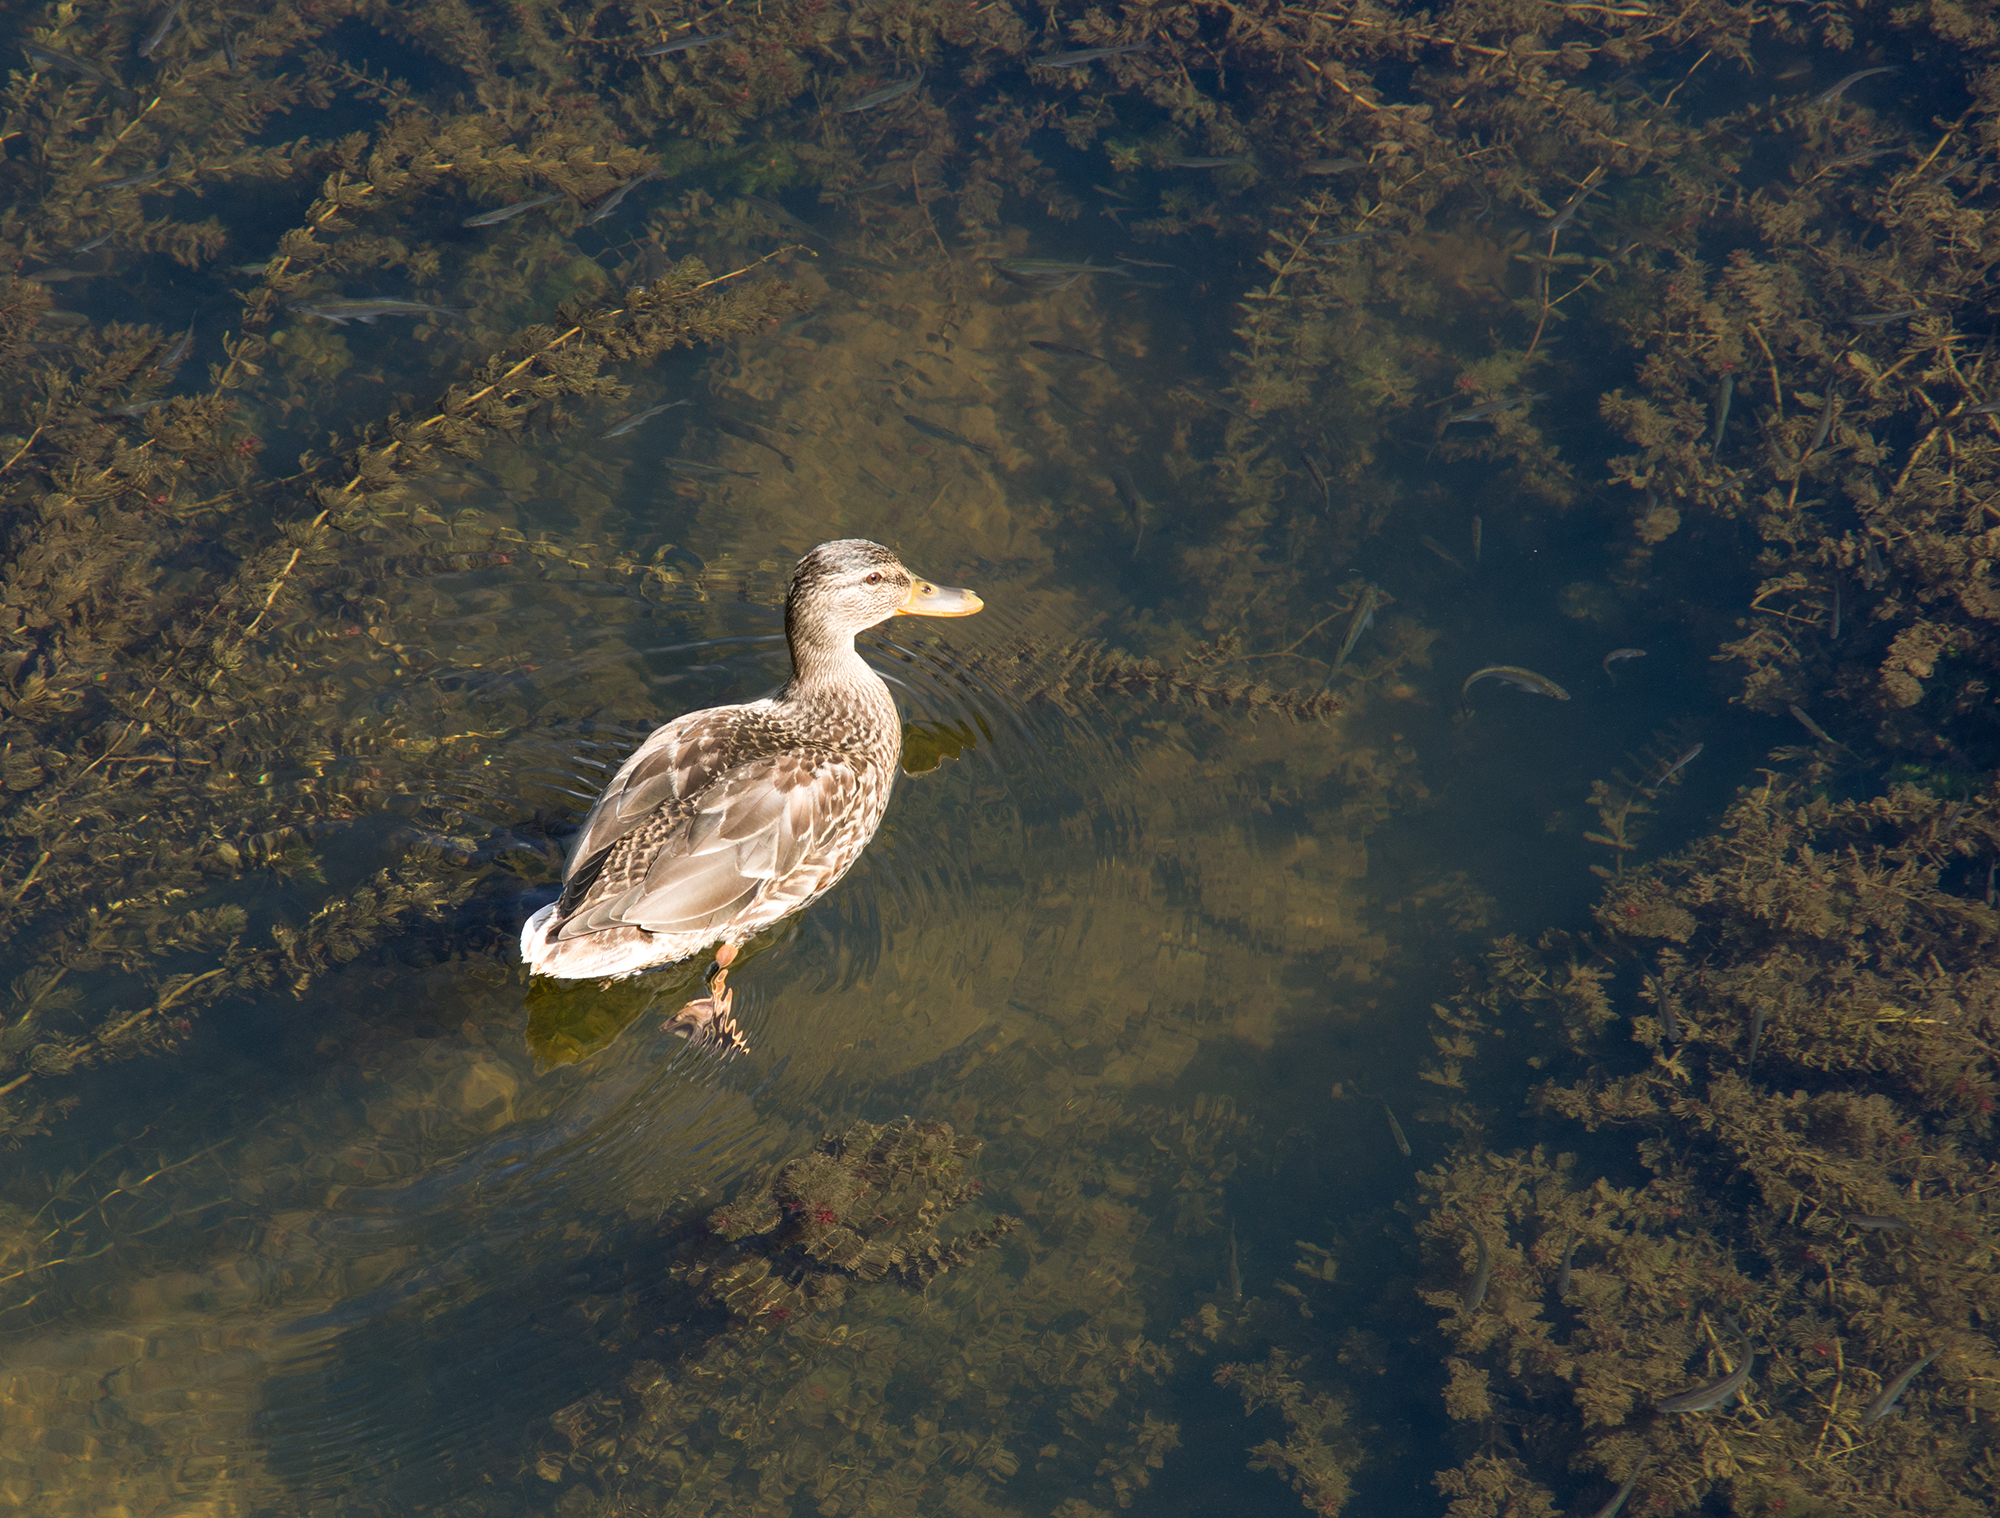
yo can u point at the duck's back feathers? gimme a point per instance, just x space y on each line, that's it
721 823
662 782
694 863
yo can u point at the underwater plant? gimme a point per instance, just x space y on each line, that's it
1806 1005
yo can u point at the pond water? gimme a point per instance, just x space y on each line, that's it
1149 921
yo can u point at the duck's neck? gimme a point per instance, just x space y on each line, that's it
824 661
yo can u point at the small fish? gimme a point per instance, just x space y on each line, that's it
70 64
1490 407
1809 725
1723 398
611 202
1317 468
689 466
1087 55
1064 350
1359 623
750 432
1396 1130
1478 532
1036 268
1835 637
889 493
1885 1404
1235 1271
172 359
1570 207
1330 166
1047 276
1756 1032
1669 1024
1876 1222
1883 318
1512 674
631 423
157 33
1618 655
1335 239
1562 1276
1992 870
1610 1509
1441 551
1985 408
1678 765
945 434
1797 70
1864 156
137 408
882 96
682 44
508 213
1144 263
341 312
130 181
1706 1398
1475 1291
1825 422
1128 492
1205 163
96 242
1834 91
1873 561
842 260
57 276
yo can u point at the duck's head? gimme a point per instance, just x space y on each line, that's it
844 587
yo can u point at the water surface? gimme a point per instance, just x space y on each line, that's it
401 1235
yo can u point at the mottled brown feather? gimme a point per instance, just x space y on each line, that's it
711 813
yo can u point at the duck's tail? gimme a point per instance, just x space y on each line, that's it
538 944
606 954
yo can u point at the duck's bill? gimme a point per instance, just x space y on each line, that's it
928 600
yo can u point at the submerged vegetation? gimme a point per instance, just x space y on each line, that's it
866 1204
1809 1014
304 310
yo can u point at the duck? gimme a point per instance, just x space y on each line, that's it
732 818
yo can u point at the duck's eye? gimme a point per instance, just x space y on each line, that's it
874 577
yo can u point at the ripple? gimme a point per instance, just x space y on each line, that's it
405 1331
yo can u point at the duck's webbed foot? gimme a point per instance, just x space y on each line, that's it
705 1022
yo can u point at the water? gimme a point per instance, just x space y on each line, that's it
364 1225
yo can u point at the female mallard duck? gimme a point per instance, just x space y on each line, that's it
726 820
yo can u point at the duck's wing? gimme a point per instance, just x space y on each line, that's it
703 817
676 762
